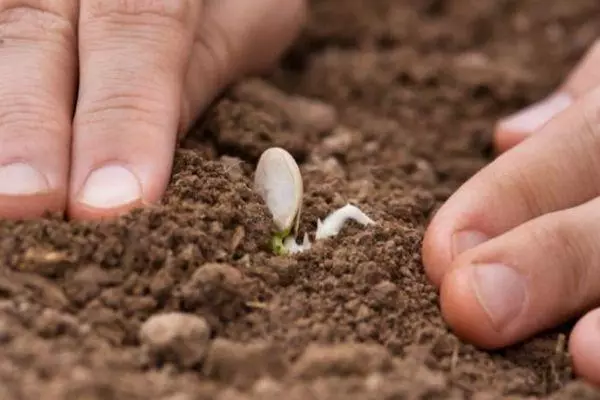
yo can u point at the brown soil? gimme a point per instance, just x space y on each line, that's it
417 85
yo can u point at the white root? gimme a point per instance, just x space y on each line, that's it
292 247
334 222
331 226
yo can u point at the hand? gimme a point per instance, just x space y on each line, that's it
516 250
95 92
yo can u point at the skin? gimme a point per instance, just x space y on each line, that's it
96 92
516 250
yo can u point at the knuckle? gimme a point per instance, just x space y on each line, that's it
26 116
568 243
591 114
217 50
586 135
34 20
141 11
120 107
561 244
523 190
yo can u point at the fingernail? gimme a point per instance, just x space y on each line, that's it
500 291
536 116
466 240
20 179
110 187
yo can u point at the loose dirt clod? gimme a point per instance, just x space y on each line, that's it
177 338
216 274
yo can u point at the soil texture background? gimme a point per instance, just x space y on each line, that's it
388 104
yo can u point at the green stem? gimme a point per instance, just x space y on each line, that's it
277 245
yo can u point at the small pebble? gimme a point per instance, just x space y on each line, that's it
383 294
178 338
214 273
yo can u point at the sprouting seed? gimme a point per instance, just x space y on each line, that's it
279 182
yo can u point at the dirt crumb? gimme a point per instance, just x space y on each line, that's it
178 338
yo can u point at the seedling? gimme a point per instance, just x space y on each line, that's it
279 182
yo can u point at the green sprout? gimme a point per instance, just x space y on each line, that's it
277 244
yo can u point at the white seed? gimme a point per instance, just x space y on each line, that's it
334 222
278 181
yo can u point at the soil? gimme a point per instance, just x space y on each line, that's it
385 103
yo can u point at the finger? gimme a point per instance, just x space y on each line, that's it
236 38
527 280
232 38
38 69
134 56
584 347
512 130
552 171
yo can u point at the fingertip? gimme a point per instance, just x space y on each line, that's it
32 206
514 129
114 189
86 213
443 241
433 255
505 137
463 313
584 347
27 191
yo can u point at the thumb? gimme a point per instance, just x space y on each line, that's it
236 38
